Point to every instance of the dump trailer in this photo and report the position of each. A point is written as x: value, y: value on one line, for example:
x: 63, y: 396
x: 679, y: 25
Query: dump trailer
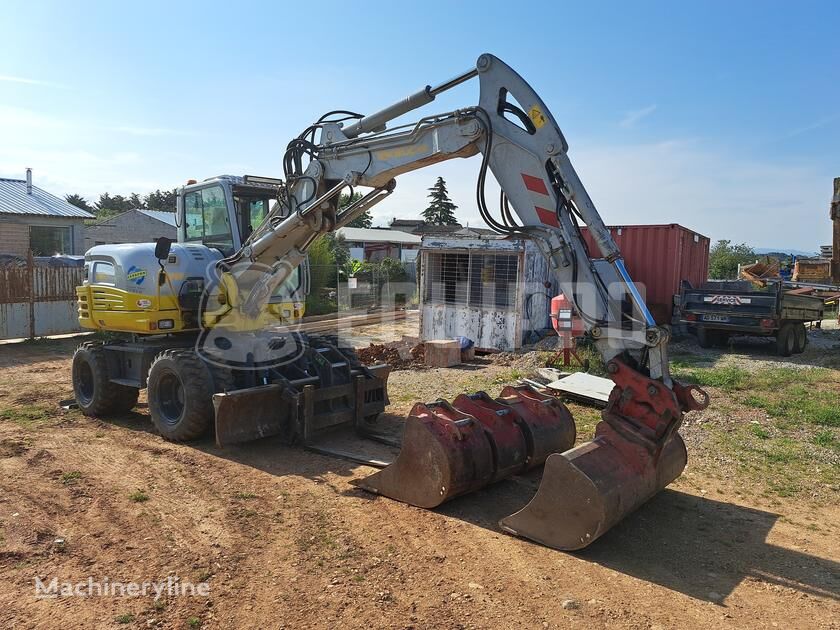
x: 207, y: 324
x: 718, y: 310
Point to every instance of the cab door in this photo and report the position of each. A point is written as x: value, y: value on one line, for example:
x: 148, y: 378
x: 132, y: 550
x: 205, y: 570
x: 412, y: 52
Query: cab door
x: 209, y: 218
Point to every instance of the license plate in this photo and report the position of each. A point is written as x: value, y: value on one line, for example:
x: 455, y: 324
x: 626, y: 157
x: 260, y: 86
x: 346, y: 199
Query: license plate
x: 715, y: 318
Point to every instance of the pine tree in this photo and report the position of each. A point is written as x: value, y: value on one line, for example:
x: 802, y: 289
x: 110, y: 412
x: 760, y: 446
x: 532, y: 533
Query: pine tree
x: 78, y: 201
x: 441, y: 210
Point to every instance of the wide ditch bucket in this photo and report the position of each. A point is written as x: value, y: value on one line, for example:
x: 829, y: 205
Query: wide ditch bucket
x: 548, y: 422
x: 449, y: 450
x: 444, y: 453
x: 588, y: 489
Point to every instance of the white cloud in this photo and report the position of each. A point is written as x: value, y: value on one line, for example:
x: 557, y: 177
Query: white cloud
x: 152, y: 131
x: 720, y: 194
x: 10, y: 79
x: 822, y: 122
x: 717, y: 193
x: 632, y: 117
x: 13, y: 118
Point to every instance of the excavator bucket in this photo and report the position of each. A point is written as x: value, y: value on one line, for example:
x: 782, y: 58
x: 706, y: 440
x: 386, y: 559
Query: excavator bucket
x: 444, y: 453
x: 588, y: 489
x: 449, y: 450
x: 549, y: 427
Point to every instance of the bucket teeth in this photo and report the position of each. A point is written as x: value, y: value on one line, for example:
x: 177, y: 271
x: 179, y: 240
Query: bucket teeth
x: 588, y: 489
x: 449, y: 450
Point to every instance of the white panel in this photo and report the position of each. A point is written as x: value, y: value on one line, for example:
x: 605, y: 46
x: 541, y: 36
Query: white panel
x: 14, y: 320
x: 56, y: 318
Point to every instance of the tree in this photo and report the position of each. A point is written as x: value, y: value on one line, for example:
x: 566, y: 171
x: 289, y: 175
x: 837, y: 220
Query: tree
x: 441, y: 210
x: 323, y: 275
x: 135, y: 201
x: 724, y: 259
x: 338, y: 247
x: 161, y: 200
x: 108, y: 205
x: 78, y: 201
x: 364, y: 220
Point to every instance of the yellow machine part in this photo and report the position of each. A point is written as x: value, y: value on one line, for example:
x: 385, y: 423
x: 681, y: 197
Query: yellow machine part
x: 226, y: 314
x: 103, y: 307
x: 108, y: 308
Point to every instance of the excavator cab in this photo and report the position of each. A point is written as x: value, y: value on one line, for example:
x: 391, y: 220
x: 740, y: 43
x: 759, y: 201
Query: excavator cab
x: 222, y: 212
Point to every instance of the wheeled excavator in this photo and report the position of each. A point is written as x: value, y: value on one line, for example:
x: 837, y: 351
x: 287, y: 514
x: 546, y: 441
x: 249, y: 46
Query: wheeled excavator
x: 207, y: 324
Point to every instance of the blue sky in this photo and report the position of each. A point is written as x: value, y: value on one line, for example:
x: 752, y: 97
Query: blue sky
x: 722, y: 116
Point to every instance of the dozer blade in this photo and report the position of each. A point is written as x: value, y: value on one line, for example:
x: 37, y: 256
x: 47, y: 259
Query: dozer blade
x: 444, y: 453
x: 256, y: 412
x: 588, y: 489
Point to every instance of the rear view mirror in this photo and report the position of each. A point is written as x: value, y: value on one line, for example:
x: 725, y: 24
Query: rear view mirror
x: 162, y: 248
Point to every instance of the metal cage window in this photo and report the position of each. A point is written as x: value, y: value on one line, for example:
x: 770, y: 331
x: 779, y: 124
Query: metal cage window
x: 481, y: 280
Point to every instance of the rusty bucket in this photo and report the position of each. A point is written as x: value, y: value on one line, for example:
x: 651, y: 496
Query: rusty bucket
x: 444, y: 453
x: 449, y: 450
x: 547, y: 423
x: 504, y: 431
x: 588, y: 489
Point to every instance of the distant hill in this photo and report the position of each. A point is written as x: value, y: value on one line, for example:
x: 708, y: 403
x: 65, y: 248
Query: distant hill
x: 776, y: 250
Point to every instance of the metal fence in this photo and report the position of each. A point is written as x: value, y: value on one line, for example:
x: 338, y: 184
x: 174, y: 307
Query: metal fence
x: 38, y: 300
x: 375, y: 285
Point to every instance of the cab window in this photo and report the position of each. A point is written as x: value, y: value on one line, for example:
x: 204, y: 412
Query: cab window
x: 207, y: 218
x: 103, y: 273
x: 250, y: 213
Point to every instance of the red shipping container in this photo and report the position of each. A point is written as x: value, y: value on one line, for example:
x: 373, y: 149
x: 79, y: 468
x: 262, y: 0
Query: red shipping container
x: 658, y: 258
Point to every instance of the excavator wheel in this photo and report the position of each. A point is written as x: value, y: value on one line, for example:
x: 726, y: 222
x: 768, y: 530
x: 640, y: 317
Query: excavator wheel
x: 180, y: 390
x: 95, y: 394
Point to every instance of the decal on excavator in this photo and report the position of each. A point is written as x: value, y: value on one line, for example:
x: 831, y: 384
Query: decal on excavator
x: 536, y: 116
x: 135, y: 275
x: 537, y: 185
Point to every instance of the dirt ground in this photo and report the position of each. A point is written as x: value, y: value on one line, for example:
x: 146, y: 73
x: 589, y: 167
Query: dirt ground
x: 286, y: 541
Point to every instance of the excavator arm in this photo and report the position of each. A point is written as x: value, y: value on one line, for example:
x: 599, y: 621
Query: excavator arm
x: 637, y: 449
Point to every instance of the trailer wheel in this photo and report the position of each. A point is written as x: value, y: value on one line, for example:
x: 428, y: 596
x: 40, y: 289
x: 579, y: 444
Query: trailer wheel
x: 801, y: 338
x: 180, y: 395
x: 704, y: 337
x: 95, y: 394
x: 785, y: 340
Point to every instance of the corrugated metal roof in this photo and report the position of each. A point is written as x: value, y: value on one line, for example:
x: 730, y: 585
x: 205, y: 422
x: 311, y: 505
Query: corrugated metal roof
x: 160, y: 215
x: 365, y: 235
x: 15, y: 200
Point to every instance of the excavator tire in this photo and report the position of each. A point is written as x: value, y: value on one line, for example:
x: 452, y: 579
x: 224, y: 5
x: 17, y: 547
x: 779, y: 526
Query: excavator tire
x: 180, y: 391
x: 95, y: 394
